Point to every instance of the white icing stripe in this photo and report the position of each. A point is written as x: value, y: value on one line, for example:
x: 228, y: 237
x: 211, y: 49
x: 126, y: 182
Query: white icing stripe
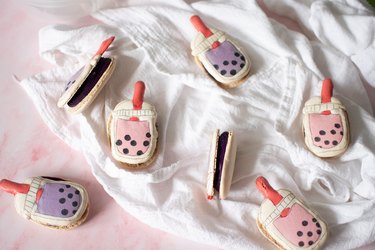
x: 31, y: 196
x: 206, y: 44
x: 278, y: 209
x: 317, y: 108
x: 131, y: 112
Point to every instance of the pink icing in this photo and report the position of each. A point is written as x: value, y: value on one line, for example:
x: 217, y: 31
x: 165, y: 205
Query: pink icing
x: 326, y: 130
x: 132, y: 137
x: 299, y: 227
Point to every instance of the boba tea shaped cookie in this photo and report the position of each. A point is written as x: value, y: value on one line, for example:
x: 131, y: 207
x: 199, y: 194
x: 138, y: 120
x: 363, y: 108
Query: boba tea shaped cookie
x: 49, y: 201
x: 286, y: 221
x: 219, y: 55
x: 325, y: 124
x: 85, y: 85
x: 132, y: 131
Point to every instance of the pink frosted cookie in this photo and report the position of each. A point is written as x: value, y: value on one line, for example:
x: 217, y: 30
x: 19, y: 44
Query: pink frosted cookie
x: 85, y: 85
x: 132, y: 131
x: 49, y: 201
x: 221, y: 164
x: 288, y: 222
x: 325, y: 124
x: 219, y: 55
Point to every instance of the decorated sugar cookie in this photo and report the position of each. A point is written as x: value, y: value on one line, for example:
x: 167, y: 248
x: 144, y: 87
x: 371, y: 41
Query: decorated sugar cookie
x: 132, y: 131
x: 219, y: 55
x: 49, y: 201
x: 221, y: 164
x: 325, y: 124
x: 85, y: 85
x: 287, y: 222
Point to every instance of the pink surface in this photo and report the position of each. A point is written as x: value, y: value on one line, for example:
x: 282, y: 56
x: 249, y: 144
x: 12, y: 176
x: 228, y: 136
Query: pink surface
x: 28, y: 148
x: 326, y: 130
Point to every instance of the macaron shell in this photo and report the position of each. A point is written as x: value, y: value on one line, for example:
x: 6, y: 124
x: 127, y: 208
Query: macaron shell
x: 212, y: 164
x: 228, y: 166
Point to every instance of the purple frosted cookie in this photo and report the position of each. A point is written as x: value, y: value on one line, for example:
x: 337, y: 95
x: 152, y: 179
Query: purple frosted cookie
x: 49, y: 201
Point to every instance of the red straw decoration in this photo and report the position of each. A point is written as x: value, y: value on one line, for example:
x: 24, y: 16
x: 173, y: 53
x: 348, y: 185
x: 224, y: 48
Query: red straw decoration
x: 139, y: 91
x: 268, y: 192
x: 104, y: 46
x: 327, y: 89
x: 200, y: 26
x: 14, y: 187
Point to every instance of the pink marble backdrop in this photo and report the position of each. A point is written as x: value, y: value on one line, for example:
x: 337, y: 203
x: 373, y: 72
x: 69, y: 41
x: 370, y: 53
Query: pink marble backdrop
x: 28, y: 148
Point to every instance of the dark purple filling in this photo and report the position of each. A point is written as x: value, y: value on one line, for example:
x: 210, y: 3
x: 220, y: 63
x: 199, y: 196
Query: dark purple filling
x: 221, y: 148
x: 90, y: 81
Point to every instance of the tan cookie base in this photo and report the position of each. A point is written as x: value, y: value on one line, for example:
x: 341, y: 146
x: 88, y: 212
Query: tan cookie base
x: 265, y: 234
x: 79, y: 222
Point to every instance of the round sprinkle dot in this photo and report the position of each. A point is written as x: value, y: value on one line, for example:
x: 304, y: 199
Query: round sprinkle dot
x: 133, y: 143
x: 333, y: 131
x: 70, y: 195
x: 341, y: 133
x: 62, y: 200
x: 216, y: 66
x: 125, y: 151
x: 67, y: 186
x: 73, y: 81
x: 304, y: 223
x: 326, y: 142
x: 64, y: 211
x: 311, y: 242
x: 301, y: 244
x: 337, y: 125
x: 61, y: 190
x: 146, y: 143
x: 242, y: 65
x: 236, y: 54
x: 309, y: 233
x: 335, y: 143
x: 233, y: 72
x: 148, y: 135
x: 299, y: 233
x: 139, y: 152
x: 317, y: 139
x: 322, y: 132
x: 74, y: 211
x: 234, y: 62
x: 223, y: 72
x: 76, y: 192
x: 317, y: 224
x: 118, y: 142
x: 74, y: 203
x: 318, y: 231
x: 127, y: 137
x: 225, y: 62
x: 314, y: 220
x: 242, y: 58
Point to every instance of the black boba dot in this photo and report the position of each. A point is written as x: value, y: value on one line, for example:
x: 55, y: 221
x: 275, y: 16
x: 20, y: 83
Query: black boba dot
x: 118, y: 142
x: 148, y: 135
x: 76, y: 192
x: 309, y: 233
x: 242, y: 65
x: 304, y: 223
x: 341, y: 133
x: 320, y: 147
x: 62, y: 200
x: 133, y: 143
x: 146, y: 143
x: 223, y: 72
x: 216, y: 66
x: 61, y: 190
x: 317, y: 224
x: 225, y: 62
x: 301, y: 244
x: 337, y: 125
x: 335, y: 143
x: 234, y: 62
x: 333, y: 131
x: 299, y: 233
x: 322, y: 132
x: 314, y: 220
x: 125, y: 151
x: 233, y: 72
x: 318, y: 231
x: 74, y: 211
x: 326, y: 142
x: 311, y: 242
x: 139, y: 152
x: 74, y: 203
x: 127, y: 137
x: 317, y: 139
x: 242, y: 58
x: 67, y: 186
x: 236, y: 54
x: 70, y: 195
x: 64, y: 211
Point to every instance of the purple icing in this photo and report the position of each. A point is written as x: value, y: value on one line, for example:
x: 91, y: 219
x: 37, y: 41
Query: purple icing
x: 221, y: 149
x: 226, y: 59
x: 59, y: 200
x: 90, y: 81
